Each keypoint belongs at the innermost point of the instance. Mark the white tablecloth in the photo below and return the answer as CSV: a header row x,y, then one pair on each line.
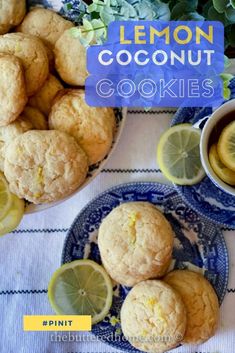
x,y
32,253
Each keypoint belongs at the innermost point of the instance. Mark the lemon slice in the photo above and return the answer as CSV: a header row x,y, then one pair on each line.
x,y
178,155
81,287
5,197
13,217
225,174
226,146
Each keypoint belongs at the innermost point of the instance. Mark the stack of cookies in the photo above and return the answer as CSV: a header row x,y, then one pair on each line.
x,y
49,136
135,242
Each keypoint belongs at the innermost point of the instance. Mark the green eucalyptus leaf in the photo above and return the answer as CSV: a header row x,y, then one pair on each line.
x,y
75,32
107,15
92,7
214,15
87,24
226,78
230,14
230,34
98,5
232,3
205,7
127,11
145,12
227,62
87,31
220,5
162,12
193,3
82,6
181,8
99,28
226,93
172,3
149,10
192,16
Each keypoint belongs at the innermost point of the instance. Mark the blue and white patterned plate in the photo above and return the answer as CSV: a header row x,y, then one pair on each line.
x,y
199,245
120,114
205,197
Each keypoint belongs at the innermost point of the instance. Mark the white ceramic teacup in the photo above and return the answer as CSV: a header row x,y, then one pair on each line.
x,y
204,144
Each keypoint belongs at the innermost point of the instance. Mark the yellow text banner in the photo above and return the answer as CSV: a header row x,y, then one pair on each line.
x,y
57,323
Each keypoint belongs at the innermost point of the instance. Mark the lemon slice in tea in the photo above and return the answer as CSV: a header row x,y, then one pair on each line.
x,y
5,197
226,146
81,287
178,155
224,173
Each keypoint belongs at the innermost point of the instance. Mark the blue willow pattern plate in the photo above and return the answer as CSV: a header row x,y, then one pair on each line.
x,y
205,197
199,245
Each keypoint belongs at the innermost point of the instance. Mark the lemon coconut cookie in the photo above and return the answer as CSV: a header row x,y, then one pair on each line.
x,y
153,317
93,128
45,24
70,59
35,118
9,133
43,99
201,304
44,166
135,242
33,55
12,89
11,14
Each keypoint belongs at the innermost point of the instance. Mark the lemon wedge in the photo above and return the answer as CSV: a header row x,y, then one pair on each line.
x,y
5,197
13,216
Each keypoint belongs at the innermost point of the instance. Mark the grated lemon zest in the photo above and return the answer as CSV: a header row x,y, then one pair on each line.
x,y
37,195
18,47
40,177
144,333
132,222
114,320
151,302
